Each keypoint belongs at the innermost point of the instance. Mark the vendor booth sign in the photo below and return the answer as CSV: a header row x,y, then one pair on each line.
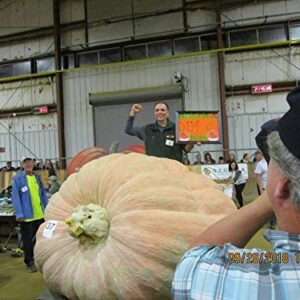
x,y
221,172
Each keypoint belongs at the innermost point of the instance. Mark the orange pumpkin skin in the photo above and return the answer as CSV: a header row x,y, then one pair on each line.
x,y
85,156
137,148
156,208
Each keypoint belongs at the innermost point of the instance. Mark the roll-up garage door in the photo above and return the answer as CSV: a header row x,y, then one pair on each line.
x,y
111,110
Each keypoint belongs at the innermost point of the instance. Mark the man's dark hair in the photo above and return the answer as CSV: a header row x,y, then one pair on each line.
x,y
161,102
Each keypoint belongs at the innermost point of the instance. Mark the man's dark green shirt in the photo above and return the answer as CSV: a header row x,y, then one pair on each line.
x,y
159,141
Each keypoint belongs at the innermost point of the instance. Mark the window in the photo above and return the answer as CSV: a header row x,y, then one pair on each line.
x,y
243,37
45,65
208,42
15,69
157,49
6,71
67,61
21,68
135,52
295,31
88,59
272,34
185,45
108,56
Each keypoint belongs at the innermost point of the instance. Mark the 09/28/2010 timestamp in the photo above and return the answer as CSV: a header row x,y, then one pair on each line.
x,y
261,257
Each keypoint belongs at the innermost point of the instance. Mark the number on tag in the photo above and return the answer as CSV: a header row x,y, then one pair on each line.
x,y
49,229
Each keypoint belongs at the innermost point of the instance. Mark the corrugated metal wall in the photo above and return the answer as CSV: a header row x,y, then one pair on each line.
x,y
248,14
27,93
262,66
203,91
23,133
34,135
18,16
156,24
247,113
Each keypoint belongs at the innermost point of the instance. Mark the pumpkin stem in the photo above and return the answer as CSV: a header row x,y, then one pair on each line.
x,y
113,147
89,223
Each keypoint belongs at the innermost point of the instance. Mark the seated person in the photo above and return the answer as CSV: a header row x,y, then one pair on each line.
x,y
208,160
8,167
198,159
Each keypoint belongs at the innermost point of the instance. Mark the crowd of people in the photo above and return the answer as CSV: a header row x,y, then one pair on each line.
x,y
237,179
53,183
208,159
47,164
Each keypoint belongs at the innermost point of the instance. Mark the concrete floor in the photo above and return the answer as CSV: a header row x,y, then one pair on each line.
x,y
17,284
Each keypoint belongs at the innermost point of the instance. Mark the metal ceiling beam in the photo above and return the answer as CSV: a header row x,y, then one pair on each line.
x,y
239,90
86,22
59,80
221,66
23,111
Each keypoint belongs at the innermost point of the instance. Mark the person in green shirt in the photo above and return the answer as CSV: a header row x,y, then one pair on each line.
x,y
29,200
54,185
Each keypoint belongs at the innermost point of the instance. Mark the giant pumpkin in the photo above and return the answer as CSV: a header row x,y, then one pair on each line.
x,y
85,156
123,223
137,148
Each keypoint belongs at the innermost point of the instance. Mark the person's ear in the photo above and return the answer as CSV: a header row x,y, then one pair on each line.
x,y
282,191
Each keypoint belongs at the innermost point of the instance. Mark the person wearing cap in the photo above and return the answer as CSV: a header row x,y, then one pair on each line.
x,y
29,200
54,185
219,267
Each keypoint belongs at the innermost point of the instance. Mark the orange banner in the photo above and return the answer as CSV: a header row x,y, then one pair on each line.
x,y
198,127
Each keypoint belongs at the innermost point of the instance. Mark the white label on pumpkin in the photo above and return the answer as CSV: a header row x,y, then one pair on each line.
x,y
49,229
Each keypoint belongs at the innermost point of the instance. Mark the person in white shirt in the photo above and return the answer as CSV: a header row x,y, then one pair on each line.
x,y
261,172
238,180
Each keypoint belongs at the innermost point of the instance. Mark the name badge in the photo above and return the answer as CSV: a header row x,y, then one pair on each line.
x,y
24,189
170,143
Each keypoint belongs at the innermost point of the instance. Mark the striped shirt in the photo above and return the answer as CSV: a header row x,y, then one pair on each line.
x,y
230,273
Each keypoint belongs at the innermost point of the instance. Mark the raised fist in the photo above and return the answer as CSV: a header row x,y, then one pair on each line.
x,y
136,108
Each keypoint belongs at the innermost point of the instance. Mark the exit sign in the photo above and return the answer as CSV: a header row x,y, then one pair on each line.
x,y
262,89
40,110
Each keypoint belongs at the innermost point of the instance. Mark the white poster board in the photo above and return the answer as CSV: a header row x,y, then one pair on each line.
x,y
221,172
